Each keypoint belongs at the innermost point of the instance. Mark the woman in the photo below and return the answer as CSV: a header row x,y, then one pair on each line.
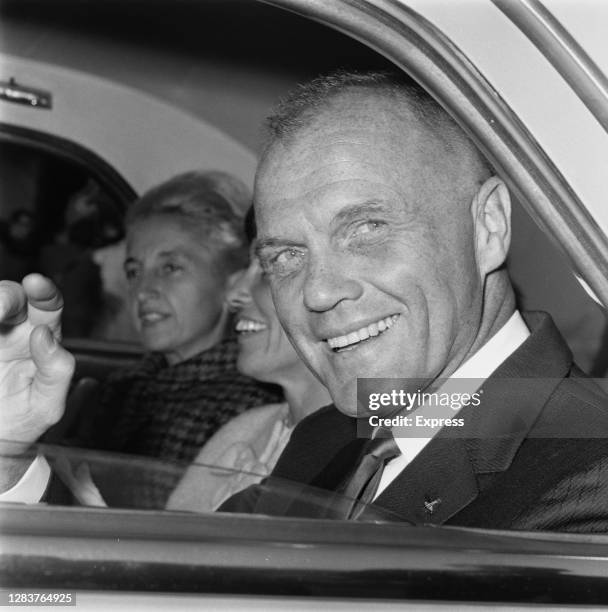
x,y
183,242
252,442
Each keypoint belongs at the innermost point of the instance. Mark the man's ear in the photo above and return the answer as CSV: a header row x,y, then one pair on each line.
x,y
491,210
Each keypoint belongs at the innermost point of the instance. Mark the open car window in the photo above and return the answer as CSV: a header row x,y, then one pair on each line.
x,y
62,214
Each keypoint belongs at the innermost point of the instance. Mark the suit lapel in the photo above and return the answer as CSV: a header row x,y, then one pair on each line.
x,y
438,483
444,477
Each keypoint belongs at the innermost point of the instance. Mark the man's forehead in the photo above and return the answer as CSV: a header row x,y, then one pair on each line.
x,y
370,128
322,189
352,152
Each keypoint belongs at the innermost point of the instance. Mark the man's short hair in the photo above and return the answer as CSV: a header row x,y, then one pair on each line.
x,y
207,204
300,108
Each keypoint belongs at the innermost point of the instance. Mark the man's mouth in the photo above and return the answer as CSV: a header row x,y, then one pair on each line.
x,y
354,338
249,326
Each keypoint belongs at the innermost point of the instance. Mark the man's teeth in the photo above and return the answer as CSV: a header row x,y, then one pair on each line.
x,y
249,325
374,329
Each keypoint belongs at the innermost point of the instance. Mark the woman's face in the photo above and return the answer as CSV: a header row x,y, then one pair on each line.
x,y
176,294
265,352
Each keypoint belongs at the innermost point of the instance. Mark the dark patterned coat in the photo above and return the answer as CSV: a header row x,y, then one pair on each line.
x,y
168,412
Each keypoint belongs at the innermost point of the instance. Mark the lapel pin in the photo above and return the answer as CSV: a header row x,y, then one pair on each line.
x,y
430,506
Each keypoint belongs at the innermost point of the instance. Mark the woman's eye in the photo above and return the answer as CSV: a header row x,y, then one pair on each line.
x,y
131,273
170,268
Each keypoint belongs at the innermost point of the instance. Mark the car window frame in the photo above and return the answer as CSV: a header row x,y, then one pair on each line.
x,y
104,172
418,47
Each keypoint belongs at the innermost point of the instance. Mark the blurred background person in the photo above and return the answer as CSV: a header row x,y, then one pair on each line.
x,y
18,245
67,260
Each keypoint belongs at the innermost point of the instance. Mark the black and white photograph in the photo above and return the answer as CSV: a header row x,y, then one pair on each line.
x,y
303,304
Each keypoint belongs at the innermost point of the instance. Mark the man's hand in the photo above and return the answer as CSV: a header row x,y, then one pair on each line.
x,y
35,371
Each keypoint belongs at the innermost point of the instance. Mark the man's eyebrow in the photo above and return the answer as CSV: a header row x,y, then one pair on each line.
x,y
353,211
268,243
348,213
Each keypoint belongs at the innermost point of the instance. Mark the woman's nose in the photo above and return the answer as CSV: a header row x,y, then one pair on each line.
x,y
238,294
146,287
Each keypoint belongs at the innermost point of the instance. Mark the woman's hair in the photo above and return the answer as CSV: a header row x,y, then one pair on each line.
x,y
209,205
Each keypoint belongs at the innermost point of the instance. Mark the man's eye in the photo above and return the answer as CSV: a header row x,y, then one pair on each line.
x,y
286,256
368,227
282,262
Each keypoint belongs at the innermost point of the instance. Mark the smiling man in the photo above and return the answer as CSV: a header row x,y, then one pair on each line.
x,y
383,234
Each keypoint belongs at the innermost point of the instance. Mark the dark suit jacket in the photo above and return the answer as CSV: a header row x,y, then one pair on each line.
x,y
535,454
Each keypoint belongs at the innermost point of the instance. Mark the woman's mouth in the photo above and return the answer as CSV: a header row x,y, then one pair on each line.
x,y
245,325
150,318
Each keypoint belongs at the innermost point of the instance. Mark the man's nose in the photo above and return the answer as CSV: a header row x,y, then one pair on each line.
x,y
327,284
239,290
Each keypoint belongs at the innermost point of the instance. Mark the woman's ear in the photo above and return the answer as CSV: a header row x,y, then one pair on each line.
x,y
491,210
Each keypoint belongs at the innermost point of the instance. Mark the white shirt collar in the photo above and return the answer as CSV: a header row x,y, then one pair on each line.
x,y
496,350
475,369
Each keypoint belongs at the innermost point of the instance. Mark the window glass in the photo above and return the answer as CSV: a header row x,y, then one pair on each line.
x,y
101,479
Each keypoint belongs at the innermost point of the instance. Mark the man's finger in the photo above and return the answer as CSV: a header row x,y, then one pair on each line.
x,y
44,302
54,370
12,303
42,292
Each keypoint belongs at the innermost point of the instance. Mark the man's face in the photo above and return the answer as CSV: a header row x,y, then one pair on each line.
x,y
368,246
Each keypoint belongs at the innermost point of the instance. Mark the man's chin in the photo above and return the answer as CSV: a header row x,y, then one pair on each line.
x,y
344,397
349,411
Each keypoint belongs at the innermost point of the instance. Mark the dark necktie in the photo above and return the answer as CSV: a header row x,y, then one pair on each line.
x,y
363,484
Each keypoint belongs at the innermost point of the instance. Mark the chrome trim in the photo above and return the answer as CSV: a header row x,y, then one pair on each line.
x,y
569,59
422,50
58,547
13,92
